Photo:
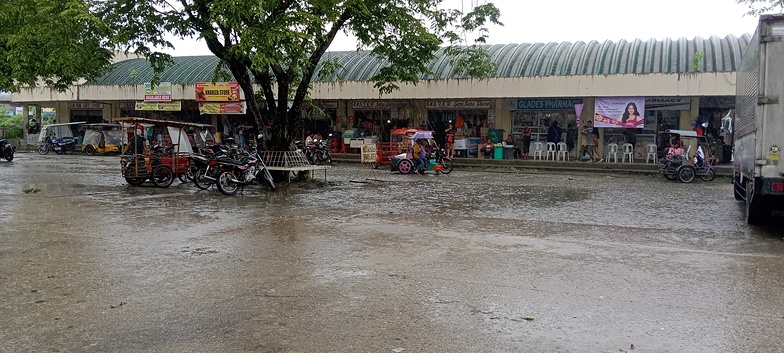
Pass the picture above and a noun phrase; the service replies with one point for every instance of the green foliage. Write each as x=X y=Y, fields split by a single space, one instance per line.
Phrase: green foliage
x=31 y=190
x=758 y=7
x=13 y=126
x=695 y=64
x=56 y=41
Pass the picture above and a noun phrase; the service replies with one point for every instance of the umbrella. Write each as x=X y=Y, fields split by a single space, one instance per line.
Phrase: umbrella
x=422 y=134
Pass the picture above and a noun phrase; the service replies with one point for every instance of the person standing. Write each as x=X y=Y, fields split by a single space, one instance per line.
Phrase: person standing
x=526 y=134
x=450 y=141
x=589 y=144
x=554 y=132
x=571 y=137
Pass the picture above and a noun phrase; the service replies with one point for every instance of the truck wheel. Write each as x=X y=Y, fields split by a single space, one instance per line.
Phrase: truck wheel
x=755 y=212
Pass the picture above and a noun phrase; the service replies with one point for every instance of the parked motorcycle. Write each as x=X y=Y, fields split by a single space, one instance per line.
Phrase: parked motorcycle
x=321 y=153
x=242 y=172
x=7 y=150
x=66 y=145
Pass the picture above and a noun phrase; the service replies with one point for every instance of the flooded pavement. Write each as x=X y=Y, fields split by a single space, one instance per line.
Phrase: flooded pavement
x=473 y=261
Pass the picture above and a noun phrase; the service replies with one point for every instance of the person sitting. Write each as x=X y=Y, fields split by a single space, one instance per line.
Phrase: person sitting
x=676 y=151
x=488 y=148
x=510 y=142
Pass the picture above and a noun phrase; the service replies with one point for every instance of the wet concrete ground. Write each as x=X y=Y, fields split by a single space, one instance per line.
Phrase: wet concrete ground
x=473 y=261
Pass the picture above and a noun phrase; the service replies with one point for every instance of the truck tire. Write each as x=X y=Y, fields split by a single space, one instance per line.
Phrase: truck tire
x=738 y=191
x=756 y=214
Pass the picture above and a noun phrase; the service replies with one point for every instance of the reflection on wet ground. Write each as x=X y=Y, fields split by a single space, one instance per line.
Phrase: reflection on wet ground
x=473 y=261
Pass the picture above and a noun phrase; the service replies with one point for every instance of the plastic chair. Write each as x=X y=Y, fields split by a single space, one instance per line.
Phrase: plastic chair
x=563 y=151
x=612 y=151
x=538 y=148
x=550 y=150
x=650 y=152
x=628 y=150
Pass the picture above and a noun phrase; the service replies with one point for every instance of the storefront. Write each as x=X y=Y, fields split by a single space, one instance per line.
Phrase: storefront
x=468 y=116
x=89 y=112
x=320 y=117
x=377 y=118
x=539 y=113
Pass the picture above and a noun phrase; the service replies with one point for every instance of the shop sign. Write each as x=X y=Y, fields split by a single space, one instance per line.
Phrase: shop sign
x=217 y=92
x=547 y=103
x=159 y=93
x=327 y=104
x=84 y=105
x=159 y=106
x=668 y=103
x=376 y=105
x=222 y=108
x=458 y=104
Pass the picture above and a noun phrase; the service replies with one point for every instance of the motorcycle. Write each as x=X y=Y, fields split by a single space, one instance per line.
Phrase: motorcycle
x=66 y=145
x=7 y=150
x=245 y=171
x=321 y=153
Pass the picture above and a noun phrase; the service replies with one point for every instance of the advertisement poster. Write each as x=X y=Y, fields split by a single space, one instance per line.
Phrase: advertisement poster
x=159 y=93
x=159 y=106
x=222 y=108
x=217 y=92
x=620 y=112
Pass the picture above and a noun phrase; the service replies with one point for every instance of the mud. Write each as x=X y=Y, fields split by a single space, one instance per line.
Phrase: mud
x=370 y=261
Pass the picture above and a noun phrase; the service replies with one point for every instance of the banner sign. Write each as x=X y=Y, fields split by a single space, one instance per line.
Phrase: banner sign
x=159 y=106
x=578 y=110
x=547 y=103
x=668 y=103
x=623 y=112
x=222 y=108
x=217 y=92
x=159 y=93
x=84 y=105
x=377 y=105
x=458 y=104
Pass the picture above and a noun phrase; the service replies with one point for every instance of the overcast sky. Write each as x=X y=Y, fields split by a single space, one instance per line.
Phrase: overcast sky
x=531 y=21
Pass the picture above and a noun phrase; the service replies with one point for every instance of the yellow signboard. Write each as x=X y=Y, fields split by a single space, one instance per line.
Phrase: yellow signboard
x=217 y=92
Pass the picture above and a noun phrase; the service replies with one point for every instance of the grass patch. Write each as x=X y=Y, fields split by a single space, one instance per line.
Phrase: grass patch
x=31 y=190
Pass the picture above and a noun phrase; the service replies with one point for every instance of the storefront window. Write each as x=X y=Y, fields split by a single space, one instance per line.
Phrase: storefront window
x=539 y=122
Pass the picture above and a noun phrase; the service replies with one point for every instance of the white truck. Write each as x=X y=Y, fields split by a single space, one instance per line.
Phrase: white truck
x=759 y=123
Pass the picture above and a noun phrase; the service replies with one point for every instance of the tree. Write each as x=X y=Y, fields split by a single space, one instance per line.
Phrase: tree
x=55 y=41
x=277 y=44
x=758 y=7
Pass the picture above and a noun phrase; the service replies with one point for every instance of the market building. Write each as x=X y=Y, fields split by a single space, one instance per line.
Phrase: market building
x=680 y=82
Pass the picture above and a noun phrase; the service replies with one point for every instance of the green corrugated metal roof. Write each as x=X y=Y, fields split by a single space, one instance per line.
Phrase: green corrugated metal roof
x=514 y=60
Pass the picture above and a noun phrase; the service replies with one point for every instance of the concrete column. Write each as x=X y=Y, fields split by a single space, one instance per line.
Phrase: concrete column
x=38 y=112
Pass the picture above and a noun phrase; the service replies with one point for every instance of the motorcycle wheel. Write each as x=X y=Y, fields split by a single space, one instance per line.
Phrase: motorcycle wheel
x=405 y=166
x=133 y=180
x=68 y=149
x=225 y=185
x=709 y=175
x=327 y=159
x=686 y=174
x=162 y=176
x=43 y=149
x=9 y=157
x=375 y=165
x=199 y=180
x=447 y=163
x=89 y=150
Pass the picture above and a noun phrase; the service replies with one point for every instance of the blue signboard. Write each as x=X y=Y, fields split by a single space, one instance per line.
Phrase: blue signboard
x=547 y=103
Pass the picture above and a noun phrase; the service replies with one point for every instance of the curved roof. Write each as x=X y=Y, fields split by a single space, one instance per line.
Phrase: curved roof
x=514 y=60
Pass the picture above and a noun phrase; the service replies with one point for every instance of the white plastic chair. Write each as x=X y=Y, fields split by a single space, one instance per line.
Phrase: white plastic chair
x=538 y=149
x=628 y=150
x=650 y=152
x=562 y=151
x=550 y=150
x=612 y=151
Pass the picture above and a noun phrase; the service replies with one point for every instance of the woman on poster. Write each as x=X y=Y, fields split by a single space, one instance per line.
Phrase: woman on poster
x=631 y=117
